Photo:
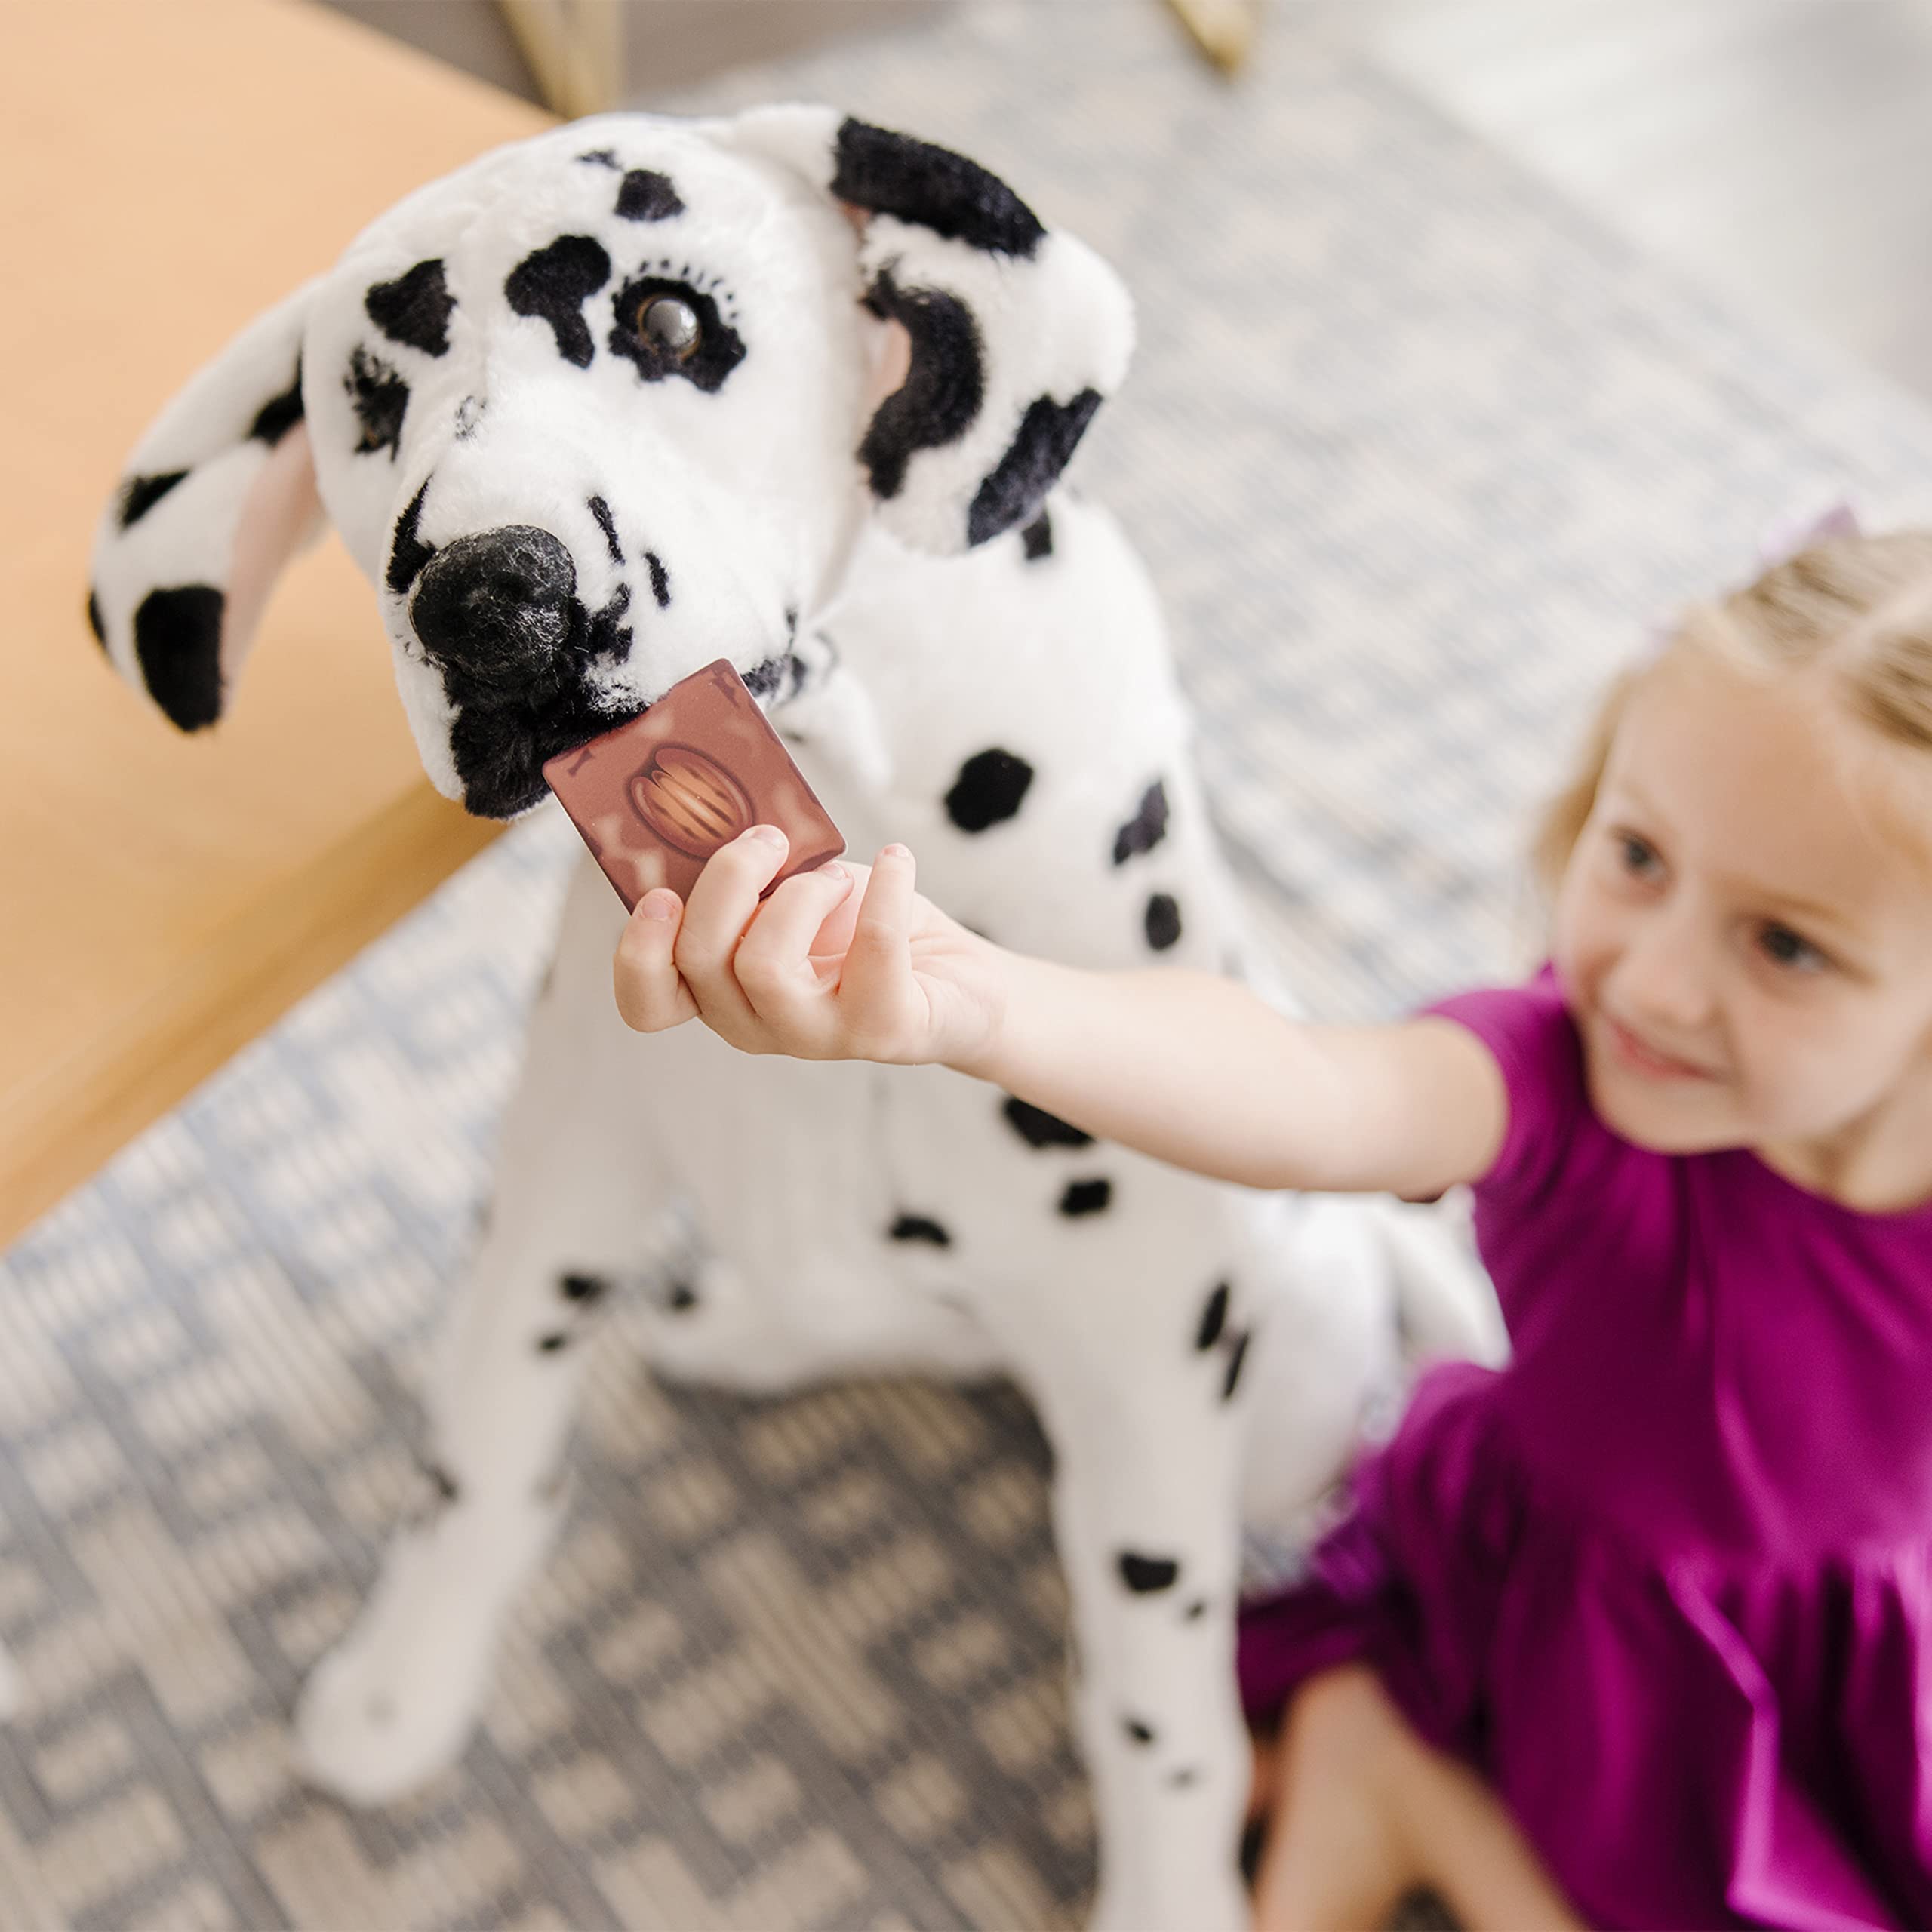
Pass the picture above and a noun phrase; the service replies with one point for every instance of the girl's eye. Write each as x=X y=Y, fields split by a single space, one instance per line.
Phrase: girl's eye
x=1791 y=951
x=1638 y=856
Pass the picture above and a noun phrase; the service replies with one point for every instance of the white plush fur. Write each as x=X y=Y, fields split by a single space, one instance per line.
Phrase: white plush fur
x=768 y=1188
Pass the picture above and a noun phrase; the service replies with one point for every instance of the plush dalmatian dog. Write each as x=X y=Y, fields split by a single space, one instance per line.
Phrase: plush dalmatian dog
x=604 y=406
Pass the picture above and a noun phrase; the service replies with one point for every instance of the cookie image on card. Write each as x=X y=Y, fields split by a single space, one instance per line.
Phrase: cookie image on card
x=654 y=798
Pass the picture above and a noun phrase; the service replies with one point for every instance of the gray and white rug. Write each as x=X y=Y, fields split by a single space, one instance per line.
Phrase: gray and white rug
x=1415 y=451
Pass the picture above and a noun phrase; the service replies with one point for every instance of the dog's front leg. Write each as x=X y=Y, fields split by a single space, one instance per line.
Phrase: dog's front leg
x=1146 y=1506
x=397 y=1699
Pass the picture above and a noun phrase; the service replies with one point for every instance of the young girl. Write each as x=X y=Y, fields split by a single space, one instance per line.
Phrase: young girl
x=1639 y=1629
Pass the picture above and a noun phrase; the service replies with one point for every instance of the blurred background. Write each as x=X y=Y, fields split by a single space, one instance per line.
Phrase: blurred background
x=1782 y=147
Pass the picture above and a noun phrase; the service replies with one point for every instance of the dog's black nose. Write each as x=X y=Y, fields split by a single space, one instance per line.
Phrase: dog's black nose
x=499 y=607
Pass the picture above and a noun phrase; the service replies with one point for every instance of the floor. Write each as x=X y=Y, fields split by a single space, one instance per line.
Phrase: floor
x=1781 y=148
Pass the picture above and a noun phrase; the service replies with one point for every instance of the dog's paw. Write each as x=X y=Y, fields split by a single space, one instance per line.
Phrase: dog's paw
x=382 y=1714
x=394 y=1702
x=1220 y=1907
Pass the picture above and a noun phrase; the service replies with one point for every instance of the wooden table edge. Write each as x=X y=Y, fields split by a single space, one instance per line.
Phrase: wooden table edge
x=60 y=1127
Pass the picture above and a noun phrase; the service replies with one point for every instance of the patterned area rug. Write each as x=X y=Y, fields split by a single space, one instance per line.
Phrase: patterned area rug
x=1414 y=452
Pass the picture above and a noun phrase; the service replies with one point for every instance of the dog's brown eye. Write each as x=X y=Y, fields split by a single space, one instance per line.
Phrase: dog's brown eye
x=669 y=327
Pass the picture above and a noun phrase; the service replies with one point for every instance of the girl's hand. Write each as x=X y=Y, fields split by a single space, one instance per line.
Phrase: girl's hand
x=847 y=962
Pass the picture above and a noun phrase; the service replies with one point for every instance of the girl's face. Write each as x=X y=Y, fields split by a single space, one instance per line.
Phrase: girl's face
x=1744 y=932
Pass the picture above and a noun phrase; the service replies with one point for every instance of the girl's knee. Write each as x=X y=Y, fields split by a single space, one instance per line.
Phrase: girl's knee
x=1342 y=1719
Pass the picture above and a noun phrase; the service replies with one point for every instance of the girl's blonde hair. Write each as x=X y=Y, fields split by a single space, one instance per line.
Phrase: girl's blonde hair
x=1855 y=612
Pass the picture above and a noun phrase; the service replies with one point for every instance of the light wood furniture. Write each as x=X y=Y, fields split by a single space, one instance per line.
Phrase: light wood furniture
x=1224 y=30
x=575 y=49
x=172 y=169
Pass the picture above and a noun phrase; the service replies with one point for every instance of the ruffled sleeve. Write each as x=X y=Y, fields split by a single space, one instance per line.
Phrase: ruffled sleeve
x=1529 y=1032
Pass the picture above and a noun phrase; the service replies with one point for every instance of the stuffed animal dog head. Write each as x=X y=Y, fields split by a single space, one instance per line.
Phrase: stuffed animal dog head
x=604 y=405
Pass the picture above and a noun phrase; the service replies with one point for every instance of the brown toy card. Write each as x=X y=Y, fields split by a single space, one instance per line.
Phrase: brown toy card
x=654 y=798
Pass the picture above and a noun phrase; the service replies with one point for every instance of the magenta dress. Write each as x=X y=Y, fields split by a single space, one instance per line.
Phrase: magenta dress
x=1666 y=1579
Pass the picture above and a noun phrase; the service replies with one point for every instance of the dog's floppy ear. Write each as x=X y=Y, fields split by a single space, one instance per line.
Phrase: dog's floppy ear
x=217 y=496
x=1017 y=331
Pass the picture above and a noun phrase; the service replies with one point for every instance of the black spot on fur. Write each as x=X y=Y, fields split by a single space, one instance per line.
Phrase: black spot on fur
x=1039 y=538
x=407 y=552
x=440 y=1480
x=608 y=635
x=582 y=1288
x=93 y=620
x=1086 y=1197
x=1047 y=436
x=602 y=158
x=177 y=642
x=940 y=398
x=280 y=413
x=139 y=494
x=415 y=308
x=988 y=789
x=601 y=510
x=1162 y=922
x=442 y=1489
x=381 y=398
x=1146 y=829
x=660 y=579
x=1214 y=1317
x=645 y=195
x=932 y=187
x=1236 y=1357
x=682 y=1299
x=1138 y=1731
x=1196 y=1611
x=499 y=743
x=720 y=348
x=761 y=680
x=917 y=1227
x=1038 y=1128
x=468 y=414
x=553 y=283
x=1144 y=1575
x=1182 y=1777
x=551 y=1343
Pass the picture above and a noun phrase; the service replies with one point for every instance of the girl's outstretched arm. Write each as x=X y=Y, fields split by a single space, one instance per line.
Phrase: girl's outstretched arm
x=1194 y=1069
x=843 y=963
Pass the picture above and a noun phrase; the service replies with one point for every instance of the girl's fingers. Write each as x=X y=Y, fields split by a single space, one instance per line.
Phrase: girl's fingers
x=721 y=906
x=748 y=971
x=878 y=962
x=651 y=995
x=771 y=962
x=835 y=936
